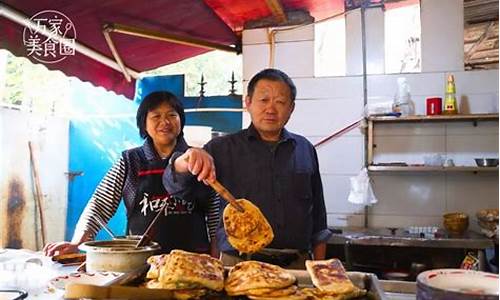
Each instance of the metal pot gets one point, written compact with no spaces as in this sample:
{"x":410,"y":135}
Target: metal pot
{"x":116,"y":255}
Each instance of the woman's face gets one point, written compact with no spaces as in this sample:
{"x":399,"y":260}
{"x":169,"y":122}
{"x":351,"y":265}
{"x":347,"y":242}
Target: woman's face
{"x":163,"y":124}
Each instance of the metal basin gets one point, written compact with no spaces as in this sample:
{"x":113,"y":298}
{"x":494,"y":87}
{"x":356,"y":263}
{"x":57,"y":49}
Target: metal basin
{"x":457,"y":284}
{"x":486,"y":162}
{"x":116,"y":255}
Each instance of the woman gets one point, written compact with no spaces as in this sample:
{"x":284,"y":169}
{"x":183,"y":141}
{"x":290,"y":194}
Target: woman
{"x":137,"y":178}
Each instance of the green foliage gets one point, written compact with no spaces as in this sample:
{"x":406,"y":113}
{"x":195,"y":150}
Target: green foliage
{"x":216,"y":67}
{"x":33,"y":85}
{"x":40,"y":90}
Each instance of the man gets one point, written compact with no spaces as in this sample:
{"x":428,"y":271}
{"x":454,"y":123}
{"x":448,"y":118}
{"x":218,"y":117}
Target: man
{"x":270,"y":166}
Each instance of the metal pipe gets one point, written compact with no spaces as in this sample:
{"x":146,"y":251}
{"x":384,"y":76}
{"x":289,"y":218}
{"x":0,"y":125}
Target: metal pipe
{"x":168,"y":37}
{"x":339,"y":132}
{"x":114,"y":51}
{"x":365,"y":90}
{"x":23,"y":20}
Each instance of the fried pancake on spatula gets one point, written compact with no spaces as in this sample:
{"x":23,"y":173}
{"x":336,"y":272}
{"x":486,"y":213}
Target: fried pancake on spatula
{"x":248,"y":231}
{"x":329,"y":276}
{"x":248,"y":275}
{"x":188,"y":270}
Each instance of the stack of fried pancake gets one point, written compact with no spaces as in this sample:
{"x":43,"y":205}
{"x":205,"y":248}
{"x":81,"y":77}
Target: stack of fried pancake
{"x":258,"y":280}
{"x":188,"y":275}
{"x":248,"y":231}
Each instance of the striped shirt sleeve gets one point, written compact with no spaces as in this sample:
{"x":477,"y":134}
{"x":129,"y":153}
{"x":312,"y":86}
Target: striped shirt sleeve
{"x":213,"y":215}
{"x":103,"y":203}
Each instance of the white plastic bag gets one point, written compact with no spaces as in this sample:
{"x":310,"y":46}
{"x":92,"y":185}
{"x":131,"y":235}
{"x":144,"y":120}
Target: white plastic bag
{"x":361,"y":189}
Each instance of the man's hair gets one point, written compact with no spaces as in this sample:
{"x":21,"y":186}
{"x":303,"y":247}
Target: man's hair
{"x":274,"y":75}
{"x":151,"y":102}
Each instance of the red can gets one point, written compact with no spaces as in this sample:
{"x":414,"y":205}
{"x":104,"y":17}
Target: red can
{"x":434,"y":106}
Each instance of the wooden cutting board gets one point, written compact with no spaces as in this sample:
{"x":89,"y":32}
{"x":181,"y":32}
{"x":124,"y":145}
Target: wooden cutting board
{"x":77,"y":291}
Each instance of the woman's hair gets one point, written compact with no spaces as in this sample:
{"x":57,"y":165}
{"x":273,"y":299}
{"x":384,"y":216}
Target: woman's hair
{"x":151,"y":102}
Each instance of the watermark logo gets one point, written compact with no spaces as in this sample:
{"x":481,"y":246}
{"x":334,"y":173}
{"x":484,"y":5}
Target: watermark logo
{"x":52,"y":39}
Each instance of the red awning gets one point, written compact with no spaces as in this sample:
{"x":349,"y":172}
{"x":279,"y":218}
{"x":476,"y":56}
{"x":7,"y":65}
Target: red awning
{"x":216,"y":21}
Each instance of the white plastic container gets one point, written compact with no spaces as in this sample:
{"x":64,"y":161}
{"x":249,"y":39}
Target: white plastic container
{"x":402,"y":100}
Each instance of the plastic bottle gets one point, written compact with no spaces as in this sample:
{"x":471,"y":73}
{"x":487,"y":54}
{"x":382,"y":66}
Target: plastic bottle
{"x":450,"y":100}
{"x":402,"y":100}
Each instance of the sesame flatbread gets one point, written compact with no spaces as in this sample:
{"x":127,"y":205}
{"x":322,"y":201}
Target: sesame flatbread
{"x":187,"y":270}
{"x":248,"y":231}
{"x":329,"y":276}
{"x":248,"y":275}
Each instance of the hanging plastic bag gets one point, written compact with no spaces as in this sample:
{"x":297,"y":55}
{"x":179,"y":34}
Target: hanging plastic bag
{"x":361,"y":189}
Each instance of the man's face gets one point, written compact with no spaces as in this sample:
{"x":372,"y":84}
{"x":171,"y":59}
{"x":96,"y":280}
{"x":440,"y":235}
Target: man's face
{"x":270,"y":107}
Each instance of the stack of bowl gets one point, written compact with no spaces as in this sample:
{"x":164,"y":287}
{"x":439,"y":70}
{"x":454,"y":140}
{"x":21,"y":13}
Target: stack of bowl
{"x":456,"y":223}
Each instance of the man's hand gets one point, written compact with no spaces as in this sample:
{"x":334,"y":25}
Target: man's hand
{"x":59,"y":248}
{"x":198,"y":162}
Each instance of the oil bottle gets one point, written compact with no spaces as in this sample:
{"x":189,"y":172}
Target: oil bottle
{"x":450,"y":101}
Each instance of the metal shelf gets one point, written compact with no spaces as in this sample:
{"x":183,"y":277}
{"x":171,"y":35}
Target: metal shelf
{"x":436,"y":118}
{"x":373,"y":168}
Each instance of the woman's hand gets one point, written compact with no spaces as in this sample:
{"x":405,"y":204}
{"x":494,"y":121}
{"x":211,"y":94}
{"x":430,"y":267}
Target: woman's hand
{"x":198,"y":162}
{"x":59,"y":248}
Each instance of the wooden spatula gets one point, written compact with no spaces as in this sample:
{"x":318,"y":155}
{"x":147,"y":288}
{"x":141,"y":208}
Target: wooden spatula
{"x":226,"y":195}
{"x":223,"y":192}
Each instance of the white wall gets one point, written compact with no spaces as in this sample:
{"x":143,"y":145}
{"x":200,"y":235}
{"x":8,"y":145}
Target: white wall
{"x":49,"y":138}
{"x":327,"y":104}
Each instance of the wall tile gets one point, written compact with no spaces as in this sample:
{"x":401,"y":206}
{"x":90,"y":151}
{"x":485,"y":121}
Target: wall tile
{"x":385,"y":221}
{"x":409,"y":149}
{"x":344,"y":220}
{"x":295,"y":58}
{"x":420,"y":194}
{"x":409,"y":129}
{"x":330,"y":87}
{"x":463,"y":149}
{"x":324,"y":117}
{"x":283,"y":34}
{"x":254,"y":36}
{"x":477,"y":103}
{"x":468,"y":128}
{"x":420,"y":84}
{"x":255,"y":58}
{"x":342,"y":156}
{"x":442,"y":34}
{"x":336,"y":191}
{"x":476,"y":82}
{"x":302,"y":33}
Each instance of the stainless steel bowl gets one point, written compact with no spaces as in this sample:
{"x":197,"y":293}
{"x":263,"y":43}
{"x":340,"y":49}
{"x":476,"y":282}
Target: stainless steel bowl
{"x":486,"y":162}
